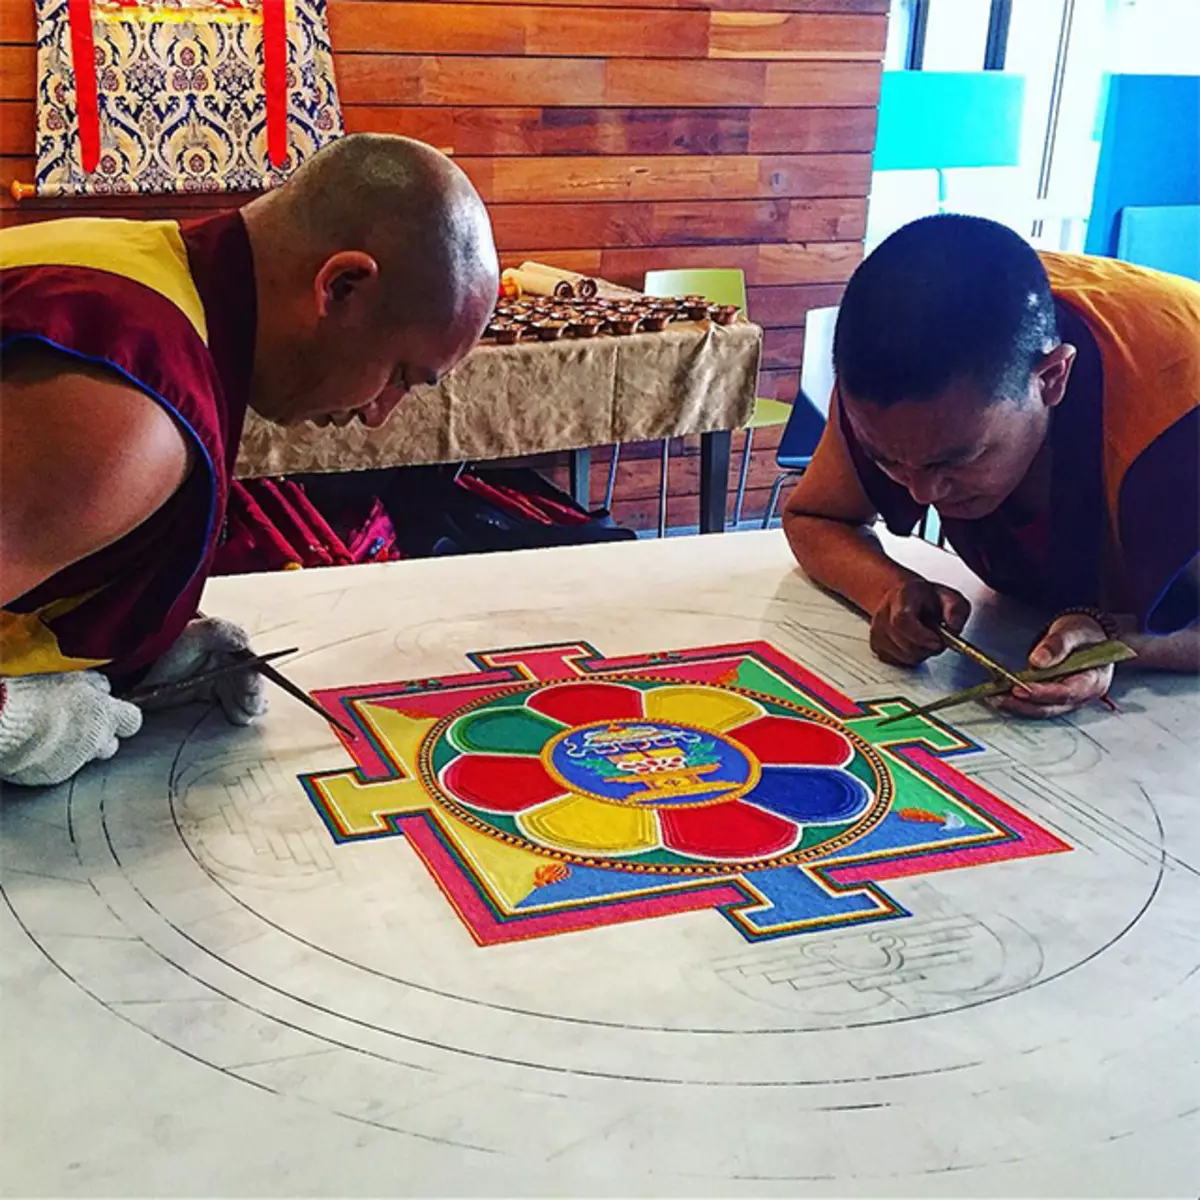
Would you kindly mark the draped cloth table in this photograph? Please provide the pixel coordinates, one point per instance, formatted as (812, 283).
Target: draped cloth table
(543, 397)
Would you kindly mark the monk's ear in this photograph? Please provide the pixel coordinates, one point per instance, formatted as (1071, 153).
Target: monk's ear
(1052, 373)
(345, 285)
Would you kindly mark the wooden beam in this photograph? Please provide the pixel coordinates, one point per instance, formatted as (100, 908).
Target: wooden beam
(809, 6)
(679, 223)
(509, 131)
(752, 84)
(17, 124)
(541, 132)
(416, 79)
(18, 25)
(800, 36)
(638, 33)
(379, 26)
(783, 349)
(786, 305)
(815, 262)
(780, 385)
(18, 67)
(382, 79)
(714, 177)
(808, 130)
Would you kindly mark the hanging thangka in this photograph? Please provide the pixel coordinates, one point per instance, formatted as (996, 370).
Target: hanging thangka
(145, 96)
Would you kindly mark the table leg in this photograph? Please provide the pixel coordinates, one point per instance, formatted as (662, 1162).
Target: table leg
(581, 471)
(714, 479)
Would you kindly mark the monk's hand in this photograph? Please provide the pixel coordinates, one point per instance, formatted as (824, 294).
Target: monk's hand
(1057, 697)
(904, 628)
(207, 643)
(52, 725)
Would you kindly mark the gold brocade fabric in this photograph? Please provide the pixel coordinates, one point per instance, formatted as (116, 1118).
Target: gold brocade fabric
(534, 398)
(179, 96)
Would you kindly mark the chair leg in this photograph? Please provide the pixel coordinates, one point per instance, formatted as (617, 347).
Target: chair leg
(612, 478)
(743, 474)
(581, 472)
(662, 488)
(780, 480)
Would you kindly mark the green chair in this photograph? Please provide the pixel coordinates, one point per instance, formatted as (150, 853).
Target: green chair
(723, 285)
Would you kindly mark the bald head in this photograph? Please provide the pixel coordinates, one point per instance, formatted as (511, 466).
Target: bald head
(376, 246)
(406, 205)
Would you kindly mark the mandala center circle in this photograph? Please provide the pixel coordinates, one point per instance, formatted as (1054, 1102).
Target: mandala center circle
(650, 764)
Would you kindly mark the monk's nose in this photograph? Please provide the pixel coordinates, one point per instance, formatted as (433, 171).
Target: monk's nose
(926, 487)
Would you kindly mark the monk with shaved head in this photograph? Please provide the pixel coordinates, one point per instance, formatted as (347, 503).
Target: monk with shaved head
(130, 352)
(377, 265)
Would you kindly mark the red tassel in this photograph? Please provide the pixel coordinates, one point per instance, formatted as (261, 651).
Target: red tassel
(275, 55)
(83, 60)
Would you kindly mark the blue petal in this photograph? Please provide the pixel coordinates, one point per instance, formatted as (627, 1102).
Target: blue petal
(810, 795)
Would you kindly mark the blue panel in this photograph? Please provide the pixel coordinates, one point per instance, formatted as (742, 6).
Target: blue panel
(1165, 238)
(1149, 153)
(940, 119)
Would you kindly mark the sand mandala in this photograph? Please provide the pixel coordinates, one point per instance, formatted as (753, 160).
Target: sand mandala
(553, 789)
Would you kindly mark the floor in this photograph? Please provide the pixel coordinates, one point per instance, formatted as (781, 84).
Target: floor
(205, 993)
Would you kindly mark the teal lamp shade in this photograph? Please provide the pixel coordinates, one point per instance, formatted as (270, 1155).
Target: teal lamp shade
(934, 120)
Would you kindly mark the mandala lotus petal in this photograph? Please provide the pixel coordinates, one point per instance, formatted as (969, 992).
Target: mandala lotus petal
(586, 826)
(514, 730)
(734, 831)
(810, 795)
(707, 707)
(501, 783)
(583, 703)
(794, 740)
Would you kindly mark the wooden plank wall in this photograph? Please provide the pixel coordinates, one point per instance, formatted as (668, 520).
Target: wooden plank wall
(610, 137)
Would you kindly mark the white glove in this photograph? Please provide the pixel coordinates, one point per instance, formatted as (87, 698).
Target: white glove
(51, 725)
(205, 643)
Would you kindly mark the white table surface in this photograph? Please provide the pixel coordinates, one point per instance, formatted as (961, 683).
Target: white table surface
(153, 1041)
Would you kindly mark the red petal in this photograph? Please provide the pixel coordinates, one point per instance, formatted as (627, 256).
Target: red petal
(582, 703)
(794, 741)
(726, 831)
(500, 782)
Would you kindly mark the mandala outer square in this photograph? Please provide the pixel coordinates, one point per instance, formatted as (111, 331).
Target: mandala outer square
(553, 789)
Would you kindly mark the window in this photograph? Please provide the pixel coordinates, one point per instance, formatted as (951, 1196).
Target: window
(956, 35)
(1063, 49)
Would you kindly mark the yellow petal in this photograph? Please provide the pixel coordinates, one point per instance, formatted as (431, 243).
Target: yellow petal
(587, 826)
(710, 708)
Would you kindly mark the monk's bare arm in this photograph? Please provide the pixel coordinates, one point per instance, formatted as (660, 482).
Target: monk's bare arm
(1175, 652)
(827, 521)
(84, 459)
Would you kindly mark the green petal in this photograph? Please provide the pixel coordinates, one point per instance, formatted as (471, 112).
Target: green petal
(503, 731)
